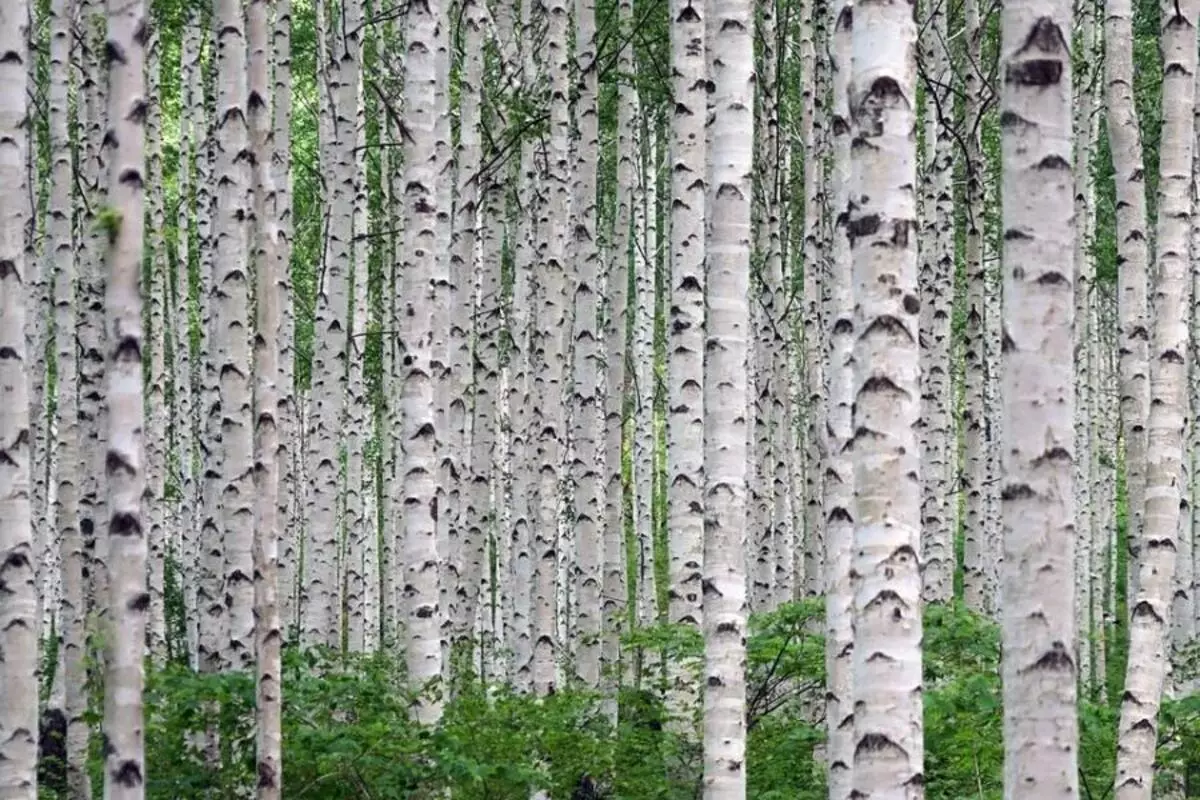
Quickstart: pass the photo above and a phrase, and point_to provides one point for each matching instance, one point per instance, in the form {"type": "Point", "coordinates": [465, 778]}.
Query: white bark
{"type": "Point", "coordinates": [731, 76]}
{"type": "Point", "coordinates": [839, 479]}
{"type": "Point", "coordinates": [426, 26]}
{"type": "Point", "coordinates": [588, 466]}
{"type": "Point", "coordinates": [1133, 256]}
{"type": "Point", "coordinates": [1037, 391]}
{"type": "Point", "coordinates": [18, 601]}
{"type": "Point", "coordinates": [685, 343]}
{"type": "Point", "coordinates": [267, 634]}
{"type": "Point", "coordinates": [232, 320]}
{"type": "Point", "coordinates": [889, 750]}
{"type": "Point", "coordinates": [1150, 607]}
{"type": "Point", "coordinates": [125, 771]}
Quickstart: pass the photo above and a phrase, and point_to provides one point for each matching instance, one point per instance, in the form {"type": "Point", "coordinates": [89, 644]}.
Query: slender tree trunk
{"type": "Point", "coordinates": [889, 748]}
{"type": "Point", "coordinates": [839, 479]}
{"type": "Point", "coordinates": [1150, 607]}
{"type": "Point", "coordinates": [1133, 256]}
{"type": "Point", "coordinates": [731, 76]}
{"type": "Point", "coordinates": [320, 611]}
{"type": "Point", "coordinates": [614, 584]}
{"type": "Point", "coordinates": [975, 423]}
{"type": "Point", "coordinates": [1038, 619]}
{"type": "Point", "coordinates": [268, 637]}
{"type": "Point", "coordinates": [288, 431]}
{"type": "Point", "coordinates": [61, 247]}
{"type": "Point", "coordinates": [232, 282]}
{"type": "Point", "coordinates": [156, 428]}
{"type": "Point", "coordinates": [92, 405]}
{"type": "Point", "coordinates": [18, 602]}
{"type": "Point", "coordinates": [937, 267]}
{"type": "Point", "coordinates": [814, 544]}
{"type": "Point", "coordinates": [125, 771]}
{"type": "Point", "coordinates": [184, 423]}
{"type": "Point", "coordinates": [685, 359]}
{"type": "Point", "coordinates": [1085, 110]}
{"type": "Point", "coordinates": [589, 463]}
{"type": "Point", "coordinates": [426, 26]}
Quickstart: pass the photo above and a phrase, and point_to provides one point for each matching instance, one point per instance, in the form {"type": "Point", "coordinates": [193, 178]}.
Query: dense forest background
{"type": "Point", "coordinates": [439, 253]}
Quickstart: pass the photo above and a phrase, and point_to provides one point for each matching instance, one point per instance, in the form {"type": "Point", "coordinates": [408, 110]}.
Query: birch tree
{"type": "Point", "coordinates": [125, 770]}
{"type": "Point", "coordinates": [839, 479]}
{"type": "Point", "coordinates": [1124, 136]}
{"type": "Point", "coordinates": [731, 75]}
{"type": "Point", "coordinates": [1149, 648]}
{"type": "Point", "coordinates": [1037, 587]}
{"type": "Point", "coordinates": [889, 748]}
{"type": "Point", "coordinates": [18, 600]}
{"type": "Point", "coordinates": [425, 25]}
{"type": "Point", "coordinates": [685, 348]}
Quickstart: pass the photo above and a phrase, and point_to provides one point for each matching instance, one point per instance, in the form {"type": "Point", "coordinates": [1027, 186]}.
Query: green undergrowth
{"type": "Point", "coordinates": [347, 732]}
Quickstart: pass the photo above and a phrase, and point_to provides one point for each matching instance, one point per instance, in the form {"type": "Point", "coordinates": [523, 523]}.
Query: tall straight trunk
{"type": "Point", "coordinates": [1133, 257]}
{"type": "Point", "coordinates": [1103, 469]}
{"type": "Point", "coordinates": [1037, 390]}
{"type": "Point", "coordinates": [814, 544]}
{"type": "Point", "coordinates": [320, 611]}
{"type": "Point", "coordinates": [426, 25]}
{"type": "Point", "coordinates": [213, 621]}
{"type": "Point", "coordinates": [889, 747]}
{"type": "Point", "coordinates": [92, 405]}
{"type": "Point", "coordinates": [360, 527]}
{"type": "Point", "coordinates": [731, 76]}
{"type": "Point", "coordinates": [124, 772]}
{"type": "Point", "coordinates": [617, 290]}
{"type": "Point", "coordinates": [474, 517]}
{"type": "Point", "coordinates": [61, 247]}
{"type": "Point", "coordinates": [685, 347]}
{"type": "Point", "coordinates": [156, 427]}
{"type": "Point", "coordinates": [18, 602]}
{"type": "Point", "coordinates": [975, 351]}
{"type": "Point", "coordinates": [937, 267]}
{"type": "Point", "coordinates": [588, 465]}
{"type": "Point", "coordinates": [232, 318]}
{"type": "Point", "coordinates": [550, 373]}
{"type": "Point", "coordinates": [447, 394]}
{"type": "Point", "coordinates": [1085, 110]}
{"type": "Point", "coordinates": [519, 328]}
{"type": "Point", "coordinates": [286, 423]}
{"type": "Point", "coordinates": [643, 373]}
{"type": "Point", "coordinates": [267, 635]}
{"type": "Point", "coordinates": [764, 391]}
{"type": "Point", "coordinates": [183, 379]}
{"type": "Point", "coordinates": [839, 479]}
{"type": "Point", "coordinates": [1150, 607]}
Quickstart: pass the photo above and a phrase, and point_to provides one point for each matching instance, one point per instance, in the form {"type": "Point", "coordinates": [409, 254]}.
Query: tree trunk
{"type": "Point", "coordinates": [232, 282]}
{"type": "Point", "coordinates": [731, 76]}
{"type": "Point", "coordinates": [1037, 390]}
{"type": "Point", "coordinates": [268, 637]}
{"type": "Point", "coordinates": [588, 466]}
{"type": "Point", "coordinates": [426, 27]}
{"type": "Point", "coordinates": [125, 770]}
{"type": "Point", "coordinates": [1150, 607]}
{"type": "Point", "coordinates": [889, 750]}
{"type": "Point", "coordinates": [1132, 256]}
{"type": "Point", "coordinates": [685, 349]}
{"type": "Point", "coordinates": [18, 603]}
{"type": "Point", "coordinates": [937, 289]}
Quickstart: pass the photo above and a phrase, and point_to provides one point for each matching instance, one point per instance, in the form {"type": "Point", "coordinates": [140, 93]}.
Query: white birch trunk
{"type": "Point", "coordinates": [731, 76]}
{"type": "Point", "coordinates": [124, 773]}
{"type": "Point", "coordinates": [1150, 607]}
{"type": "Point", "coordinates": [1037, 391]}
{"type": "Point", "coordinates": [882, 226]}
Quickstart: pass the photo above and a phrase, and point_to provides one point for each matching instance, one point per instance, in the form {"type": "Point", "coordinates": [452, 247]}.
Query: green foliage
{"type": "Point", "coordinates": [347, 732]}
{"type": "Point", "coordinates": [108, 221]}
